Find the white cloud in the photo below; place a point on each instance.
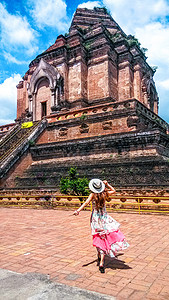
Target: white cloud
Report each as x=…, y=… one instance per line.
x=12, y=59
x=8, y=99
x=15, y=29
x=155, y=37
x=50, y=13
x=8, y=91
x=30, y=51
x=136, y=13
x=90, y=4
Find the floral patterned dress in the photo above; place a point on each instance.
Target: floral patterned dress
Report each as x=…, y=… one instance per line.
x=107, y=237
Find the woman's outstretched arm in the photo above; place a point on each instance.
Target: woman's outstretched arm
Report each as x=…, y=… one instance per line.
x=76, y=212
x=111, y=190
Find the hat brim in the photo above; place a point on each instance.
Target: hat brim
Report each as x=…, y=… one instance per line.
x=93, y=189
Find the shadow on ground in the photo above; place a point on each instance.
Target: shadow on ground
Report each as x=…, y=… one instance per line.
x=111, y=263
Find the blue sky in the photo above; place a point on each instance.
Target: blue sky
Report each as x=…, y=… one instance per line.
x=29, y=27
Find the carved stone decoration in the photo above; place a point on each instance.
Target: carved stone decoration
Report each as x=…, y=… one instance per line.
x=63, y=131
x=84, y=128
x=45, y=71
x=107, y=125
x=25, y=117
x=149, y=91
x=55, y=108
x=133, y=121
x=20, y=84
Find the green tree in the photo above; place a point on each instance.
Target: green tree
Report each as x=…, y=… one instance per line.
x=74, y=185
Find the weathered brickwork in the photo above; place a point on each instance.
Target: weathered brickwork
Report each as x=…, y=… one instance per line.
x=82, y=130
x=112, y=84
x=75, y=87
x=98, y=81
x=10, y=180
x=97, y=93
x=97, y=63
x=22, y=99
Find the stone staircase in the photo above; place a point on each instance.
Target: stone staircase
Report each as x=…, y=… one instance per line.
x=146, y=173
x=16, y=143
x=6, y=129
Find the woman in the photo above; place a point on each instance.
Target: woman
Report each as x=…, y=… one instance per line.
x=107, y=237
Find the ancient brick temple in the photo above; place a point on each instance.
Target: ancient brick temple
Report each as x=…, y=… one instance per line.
x=96, y=63
x=96, y=93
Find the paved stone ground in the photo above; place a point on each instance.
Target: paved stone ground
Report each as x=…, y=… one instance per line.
x=58, y=244
x=34, y=286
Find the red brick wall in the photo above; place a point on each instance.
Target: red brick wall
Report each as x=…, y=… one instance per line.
x=95, y=129
x=98, y=82
x=125, y=83
x=17, y=170
x=21, y=100
x=75, y=84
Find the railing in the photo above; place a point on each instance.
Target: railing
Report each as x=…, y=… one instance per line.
x=110, y=107
x=137, y=204
x=10, y=135
x=6, y=128
x=19, y=135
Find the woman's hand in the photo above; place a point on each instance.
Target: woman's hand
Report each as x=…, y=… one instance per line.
x=111, y=189
x=76, y=213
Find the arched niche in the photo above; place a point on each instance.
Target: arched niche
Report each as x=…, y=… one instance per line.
x=153, y=99
x=150, y=97
x=42, y=98
x=46, y=85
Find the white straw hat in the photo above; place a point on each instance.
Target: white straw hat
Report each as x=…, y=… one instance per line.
x=96, y=185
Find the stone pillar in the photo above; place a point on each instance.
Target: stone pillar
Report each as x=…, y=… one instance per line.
x=34, y=106
x=156, y=106
x=77, y=77
x=21, y=99
x=113, y=79
x=53, y=100
x=125, y=77
x=145, y=90
x=30, y=104
x=137, y=82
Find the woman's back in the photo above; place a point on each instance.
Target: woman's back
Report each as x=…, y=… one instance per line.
x=99, y=200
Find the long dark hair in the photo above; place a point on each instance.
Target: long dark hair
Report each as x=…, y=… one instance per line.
x=100, y=199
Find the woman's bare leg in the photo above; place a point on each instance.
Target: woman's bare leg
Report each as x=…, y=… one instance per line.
x=101, y=266
x=102, y=259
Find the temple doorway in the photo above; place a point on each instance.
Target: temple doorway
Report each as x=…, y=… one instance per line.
x=43, y=99
x=43, y=109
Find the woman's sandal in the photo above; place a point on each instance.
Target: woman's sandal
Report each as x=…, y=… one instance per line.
x=98, y=260
x=101, y=269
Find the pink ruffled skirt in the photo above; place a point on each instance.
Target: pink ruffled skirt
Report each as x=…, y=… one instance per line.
x=107, y=237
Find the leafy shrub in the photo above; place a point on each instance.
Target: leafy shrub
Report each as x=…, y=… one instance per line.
x=74, y=185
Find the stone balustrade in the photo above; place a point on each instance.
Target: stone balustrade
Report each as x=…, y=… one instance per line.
x=131, y=104
x=119, y=202
x=12, y=148
x=4, y=129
